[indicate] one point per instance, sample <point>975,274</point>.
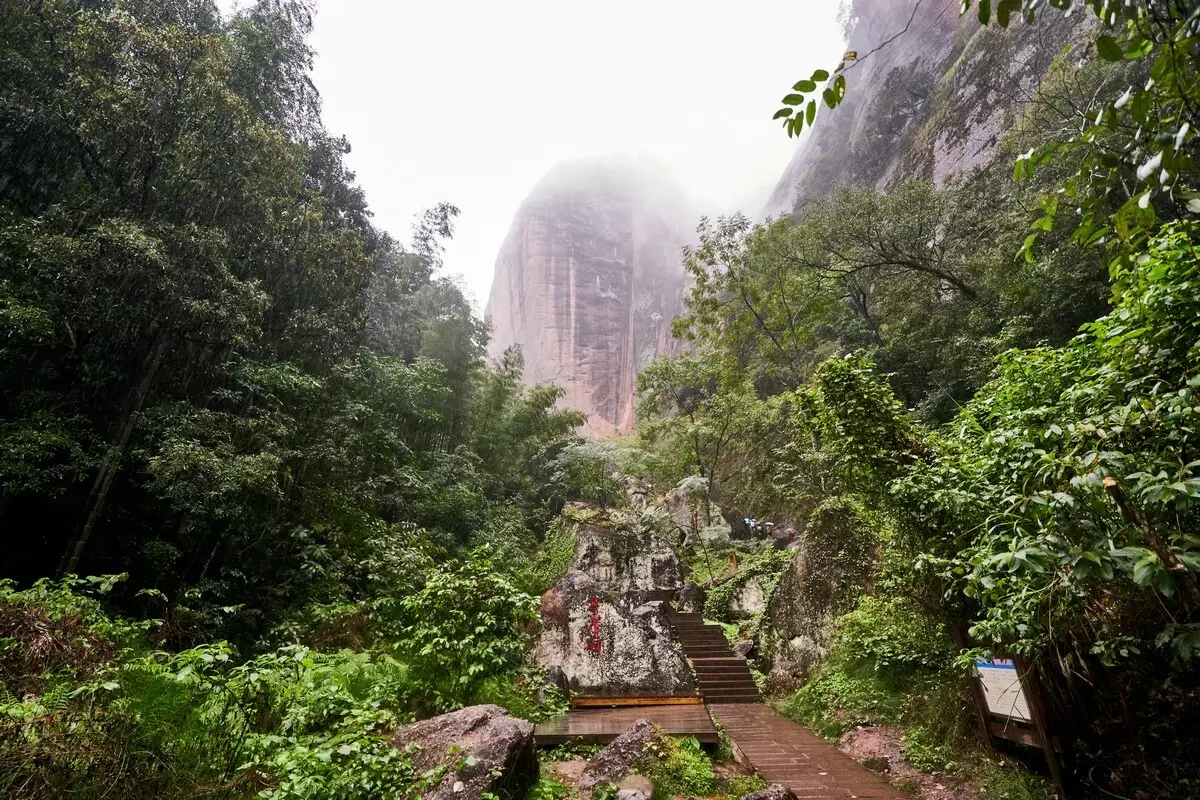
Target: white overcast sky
<point>472,101</point>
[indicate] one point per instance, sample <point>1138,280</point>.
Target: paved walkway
<point>784,752</point>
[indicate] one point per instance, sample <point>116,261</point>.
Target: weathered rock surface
<point>635,787</point>
<point>623,561</point>
<point>606,645</point>
<point>775,791</point>
<point>588,281</point>
<point>500,748</point>
<point>932,104</point>
<point>691,598</point>
<point>616,760</point>
<point>749,599</point>
<point>831,568</point>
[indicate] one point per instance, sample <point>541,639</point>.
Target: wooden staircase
<point>722,676</point>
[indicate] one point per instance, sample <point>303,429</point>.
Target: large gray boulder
<point>485,751</point>
<point>624,561</point>
<point>833,565</point>
<point>618,758</point>
<point>607,643</point>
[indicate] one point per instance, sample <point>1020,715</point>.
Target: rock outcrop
<point>933,103</point>
<point>604,625</point>
<point>485,751</point>
<point>606,645</point>
<point>588,281</point>
<point>634,562</point>
<point>831,568</point>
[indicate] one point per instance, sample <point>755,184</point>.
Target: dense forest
<point>264,498</point>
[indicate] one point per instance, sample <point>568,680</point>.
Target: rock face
<point>831,568</point>
<point>932,104</point>
<point>603,624</point>
<point>496,753</point>
<point>588,281</point>
<point>627,562</point>
<point>606,645</point>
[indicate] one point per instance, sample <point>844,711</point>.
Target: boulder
<point>748,599</point>
<point>635,787</point>
<point>691,598</point>
<point>623,561</point>
<point>743,649</point>
<point>608,644</point>
<point>831,568</point>
<point>692,515</point>
<point>486,750</point>
<point>775,791</point>
<point>617,759</point>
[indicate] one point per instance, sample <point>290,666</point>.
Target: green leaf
<point>810,113</point>
<point>783,112</point>
<point>985,12</point>
<point>820,75</point>
<point>793,99</point>
<point>839,87</point>
<point>830,97</point>
<point>1108,48</point>
<point>805,86</point>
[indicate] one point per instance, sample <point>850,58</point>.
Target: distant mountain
<point>589,279</point>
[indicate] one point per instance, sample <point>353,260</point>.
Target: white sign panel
<point>1002,688</point>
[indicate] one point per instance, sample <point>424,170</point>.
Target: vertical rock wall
<point>934,103</point>
<point>588,281</point>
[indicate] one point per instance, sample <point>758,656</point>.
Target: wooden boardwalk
<point>602,725</point>
<point>786,753</point>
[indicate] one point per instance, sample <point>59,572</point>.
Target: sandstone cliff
<point>933,104</point>
<point>588,281</point>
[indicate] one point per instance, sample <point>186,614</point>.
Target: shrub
<point>677,766</point>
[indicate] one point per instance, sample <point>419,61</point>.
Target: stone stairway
<point>722,676</point>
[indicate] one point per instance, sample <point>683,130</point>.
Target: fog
<point>472,101</point>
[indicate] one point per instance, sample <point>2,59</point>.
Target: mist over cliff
<point>590,274</point>
<point>588,281</point>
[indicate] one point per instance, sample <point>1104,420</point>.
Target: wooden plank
<point>602,725</point>
<point>1012,733</point>
<point>618,702</point>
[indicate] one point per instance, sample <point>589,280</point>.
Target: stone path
<point>784,752</point>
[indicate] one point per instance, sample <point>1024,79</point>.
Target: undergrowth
<point>891,663</point>
<point>90,707</point>
<point>677,766</point>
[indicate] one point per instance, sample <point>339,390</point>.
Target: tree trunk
<point>111,463</point>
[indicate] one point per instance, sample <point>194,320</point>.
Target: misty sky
<point>471,101</point>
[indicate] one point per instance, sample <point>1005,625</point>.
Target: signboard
<point>1002,690</point>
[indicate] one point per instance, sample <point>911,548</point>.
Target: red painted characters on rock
<point>594,644</point>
